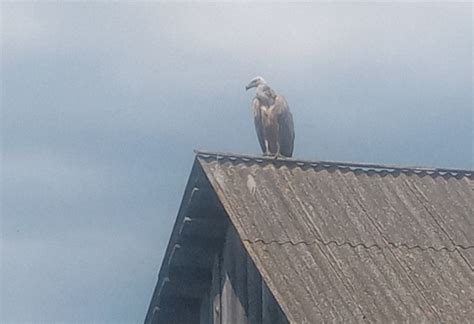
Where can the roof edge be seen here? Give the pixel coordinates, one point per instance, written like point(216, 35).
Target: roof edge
point(173, 237)
point(337, 164)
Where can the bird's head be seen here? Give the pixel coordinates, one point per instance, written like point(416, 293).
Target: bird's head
point(255, 82)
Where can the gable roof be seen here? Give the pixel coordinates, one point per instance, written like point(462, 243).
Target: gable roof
point(353, 242)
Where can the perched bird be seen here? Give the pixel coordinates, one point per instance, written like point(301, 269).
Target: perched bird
point(273, 120)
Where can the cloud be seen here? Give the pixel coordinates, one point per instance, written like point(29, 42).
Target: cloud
point(24, 28)
point(66, 269)
point(164, 44)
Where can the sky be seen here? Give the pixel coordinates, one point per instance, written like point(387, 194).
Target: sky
point(102, 104)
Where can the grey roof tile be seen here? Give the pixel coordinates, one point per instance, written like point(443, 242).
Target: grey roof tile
point(353, 242)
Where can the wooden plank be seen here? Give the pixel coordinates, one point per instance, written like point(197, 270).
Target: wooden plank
point(227, 293)
point(226, 299)
point(204, 311)
point(215, 298)
point(213, 228)
point(187, 312)
point(192, 256)
point(254, 293)
point(238, 277)
point(267, 306)
point(154, 316)
point(233, 274)
point(186, 287)
point(271, 311)
point(178, 311)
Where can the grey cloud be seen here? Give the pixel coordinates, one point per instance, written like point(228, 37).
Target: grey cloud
point(87, 260)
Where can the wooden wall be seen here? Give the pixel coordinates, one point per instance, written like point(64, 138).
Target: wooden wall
point(237, 293)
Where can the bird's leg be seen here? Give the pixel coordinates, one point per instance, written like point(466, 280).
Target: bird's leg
point(277, 154)
point(267, 150)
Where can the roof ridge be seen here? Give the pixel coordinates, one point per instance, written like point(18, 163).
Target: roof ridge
point(353, 166)
point(363, 245)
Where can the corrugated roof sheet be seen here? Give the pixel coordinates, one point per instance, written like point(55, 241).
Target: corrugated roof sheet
point(354, 242)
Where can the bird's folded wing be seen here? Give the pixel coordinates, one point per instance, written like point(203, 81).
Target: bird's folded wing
point(257, 117)
point(286, 130)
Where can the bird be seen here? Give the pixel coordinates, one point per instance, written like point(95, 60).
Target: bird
point(273, 120)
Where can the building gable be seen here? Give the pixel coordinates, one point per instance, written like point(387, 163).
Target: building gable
point(344, 241)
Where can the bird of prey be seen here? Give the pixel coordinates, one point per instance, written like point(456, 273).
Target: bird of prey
point(273, 120)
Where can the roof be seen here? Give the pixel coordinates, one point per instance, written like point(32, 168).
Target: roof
point(338, 241)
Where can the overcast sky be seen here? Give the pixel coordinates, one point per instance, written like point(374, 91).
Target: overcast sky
point(103, 103)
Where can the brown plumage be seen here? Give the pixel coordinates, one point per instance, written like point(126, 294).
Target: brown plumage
point(273, 120)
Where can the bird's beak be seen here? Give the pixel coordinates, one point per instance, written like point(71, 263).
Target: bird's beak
point(249, 86)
